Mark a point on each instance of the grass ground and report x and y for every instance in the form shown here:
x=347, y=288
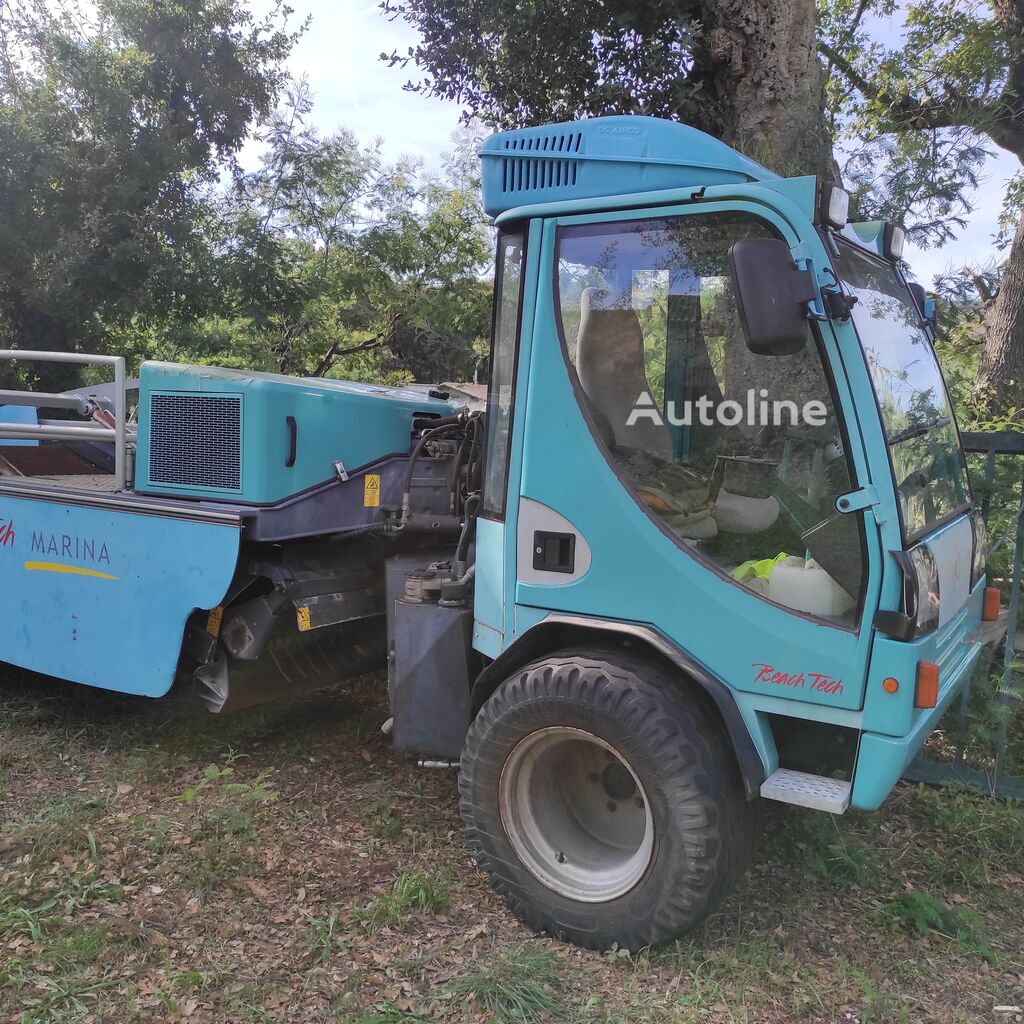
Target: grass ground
x=282, y=865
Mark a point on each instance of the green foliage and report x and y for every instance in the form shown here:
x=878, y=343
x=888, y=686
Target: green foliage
x=618, y=57
x=325, y=937
x=917, y=119
x=521, y=984
x=222, y=822
x=115, y=125
x=413, y=893
x=335, y=262
x=130, y=227
x=974, y=828
x=922, y=913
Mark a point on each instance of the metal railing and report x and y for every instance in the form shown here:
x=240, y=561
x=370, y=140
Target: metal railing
x=59, y=430
x=996, y=777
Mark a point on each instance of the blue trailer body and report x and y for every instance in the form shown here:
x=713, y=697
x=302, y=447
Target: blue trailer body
x=100, y=595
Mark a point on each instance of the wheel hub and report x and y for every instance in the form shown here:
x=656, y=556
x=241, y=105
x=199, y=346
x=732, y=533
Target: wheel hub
x=576, y=814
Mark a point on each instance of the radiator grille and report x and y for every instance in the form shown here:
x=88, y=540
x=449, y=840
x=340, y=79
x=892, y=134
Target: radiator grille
x=196, y=440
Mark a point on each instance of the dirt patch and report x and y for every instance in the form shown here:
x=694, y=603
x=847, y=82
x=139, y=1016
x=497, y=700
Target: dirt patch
x=282, y=864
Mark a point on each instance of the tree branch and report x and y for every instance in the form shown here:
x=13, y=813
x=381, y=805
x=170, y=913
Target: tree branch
x=378, y=341
x=1000, y=119
x=336, y=353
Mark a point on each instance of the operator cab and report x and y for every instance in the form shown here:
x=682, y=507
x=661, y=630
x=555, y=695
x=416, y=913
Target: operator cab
x=716, y=414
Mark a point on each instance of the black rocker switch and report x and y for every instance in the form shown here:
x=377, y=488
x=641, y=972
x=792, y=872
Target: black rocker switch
x=554, y=552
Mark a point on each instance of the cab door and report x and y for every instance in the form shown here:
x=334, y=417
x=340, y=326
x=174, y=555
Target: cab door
x=671, y=477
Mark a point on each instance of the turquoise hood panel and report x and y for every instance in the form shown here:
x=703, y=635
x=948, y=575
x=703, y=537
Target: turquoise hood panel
x=257, y=438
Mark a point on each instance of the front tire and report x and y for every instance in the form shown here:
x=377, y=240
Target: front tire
x=602, y=801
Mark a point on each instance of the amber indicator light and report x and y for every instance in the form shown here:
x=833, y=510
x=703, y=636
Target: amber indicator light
x=990, y=604
x=927, y=692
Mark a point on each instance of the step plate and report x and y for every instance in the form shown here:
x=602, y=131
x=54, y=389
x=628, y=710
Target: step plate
x=805, y=790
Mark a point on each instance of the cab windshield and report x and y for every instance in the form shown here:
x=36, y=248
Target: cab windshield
x=924, y=447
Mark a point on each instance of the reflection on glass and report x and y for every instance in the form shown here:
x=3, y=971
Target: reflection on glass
x=712, y=439
x=503, y=354
x=927, y=460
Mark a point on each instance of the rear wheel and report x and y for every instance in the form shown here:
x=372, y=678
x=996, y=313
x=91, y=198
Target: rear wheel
x=604, y=804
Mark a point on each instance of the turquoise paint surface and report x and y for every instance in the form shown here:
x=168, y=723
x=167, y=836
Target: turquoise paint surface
x=894, y=714
x=638, y=573
x=356, y=423
x=641, y=575
x=19, y=414
x=882, y=760
x=121, y=627
x=489, y=588
x=494, y=602
x=605, y=157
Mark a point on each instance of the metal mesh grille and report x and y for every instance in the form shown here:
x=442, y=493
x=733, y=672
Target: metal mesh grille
x=532, y=171
x=43, y=460
x=196, y=440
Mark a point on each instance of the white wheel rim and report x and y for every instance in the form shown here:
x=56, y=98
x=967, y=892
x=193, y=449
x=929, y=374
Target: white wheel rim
x=576, y=814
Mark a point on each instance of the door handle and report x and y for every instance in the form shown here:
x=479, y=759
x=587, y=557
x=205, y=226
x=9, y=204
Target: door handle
x=293, y=440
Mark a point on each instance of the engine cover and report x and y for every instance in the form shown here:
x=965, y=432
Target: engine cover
x=258, y=438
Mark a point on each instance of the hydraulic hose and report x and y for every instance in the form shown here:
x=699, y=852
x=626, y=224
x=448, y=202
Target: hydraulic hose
x=468, y=530
x=427, y=435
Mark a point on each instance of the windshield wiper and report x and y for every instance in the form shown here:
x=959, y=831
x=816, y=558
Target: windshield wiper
x=919, y=429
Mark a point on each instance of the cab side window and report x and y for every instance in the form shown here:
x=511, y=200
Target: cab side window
x=500, y=391
x=739, y=457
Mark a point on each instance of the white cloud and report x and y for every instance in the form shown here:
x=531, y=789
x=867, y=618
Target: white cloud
x=354, y=89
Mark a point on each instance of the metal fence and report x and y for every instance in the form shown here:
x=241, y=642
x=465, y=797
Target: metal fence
x=991, y=771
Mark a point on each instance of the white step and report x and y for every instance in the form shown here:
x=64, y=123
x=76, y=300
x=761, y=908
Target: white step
x=815, y=791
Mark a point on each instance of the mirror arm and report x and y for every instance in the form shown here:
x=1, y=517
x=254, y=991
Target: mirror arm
x=807, y=289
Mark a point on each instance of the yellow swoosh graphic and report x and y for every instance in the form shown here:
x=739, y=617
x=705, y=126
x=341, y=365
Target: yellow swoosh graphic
x=74, y=570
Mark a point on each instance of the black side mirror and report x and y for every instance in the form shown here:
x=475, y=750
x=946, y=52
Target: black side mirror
x=770, y=294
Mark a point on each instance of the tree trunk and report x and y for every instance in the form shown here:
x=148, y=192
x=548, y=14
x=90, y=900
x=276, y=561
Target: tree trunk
x=759, y=67
x=1001, y=376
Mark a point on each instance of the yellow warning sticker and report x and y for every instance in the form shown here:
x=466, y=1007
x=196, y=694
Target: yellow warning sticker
x=371, y=490
x=214, y=620
x=302, y=615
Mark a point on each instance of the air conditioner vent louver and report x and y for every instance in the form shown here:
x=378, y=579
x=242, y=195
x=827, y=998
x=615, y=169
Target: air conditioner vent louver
x=533, y=171
x=196, y=441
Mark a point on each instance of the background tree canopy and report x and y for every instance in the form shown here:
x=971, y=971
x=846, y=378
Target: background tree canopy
x=114, y=132
x=920, y=117
x=130, y=224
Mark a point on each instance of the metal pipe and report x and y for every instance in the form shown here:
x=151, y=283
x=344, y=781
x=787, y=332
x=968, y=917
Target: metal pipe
x=27, y=432
x=46, y=400
x=120, y=415
x=117, y=435
x=60, y=357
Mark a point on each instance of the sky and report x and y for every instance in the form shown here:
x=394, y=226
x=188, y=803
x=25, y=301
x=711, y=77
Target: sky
x=354, y=89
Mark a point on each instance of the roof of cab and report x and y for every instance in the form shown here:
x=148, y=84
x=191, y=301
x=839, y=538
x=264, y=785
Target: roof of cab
x=605, y=156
